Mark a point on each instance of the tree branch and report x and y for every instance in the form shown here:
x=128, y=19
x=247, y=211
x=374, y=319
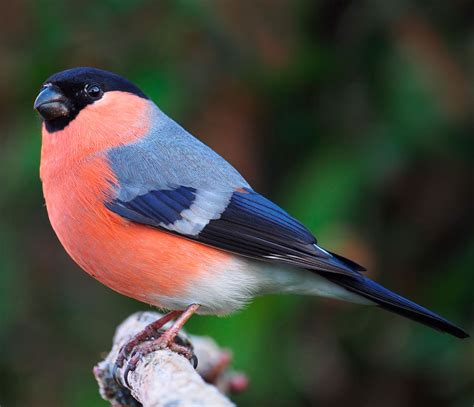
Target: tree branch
x=164, y=378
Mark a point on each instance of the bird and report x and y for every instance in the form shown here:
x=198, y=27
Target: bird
x=155, y=214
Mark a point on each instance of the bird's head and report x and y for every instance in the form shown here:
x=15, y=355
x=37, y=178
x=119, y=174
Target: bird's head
x=98, y=107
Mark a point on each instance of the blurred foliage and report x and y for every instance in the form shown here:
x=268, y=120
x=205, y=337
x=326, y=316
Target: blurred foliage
x=354, y=116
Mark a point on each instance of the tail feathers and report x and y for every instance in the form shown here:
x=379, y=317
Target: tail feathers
x=393, y=302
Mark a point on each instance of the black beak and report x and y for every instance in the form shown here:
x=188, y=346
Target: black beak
x=51, y=103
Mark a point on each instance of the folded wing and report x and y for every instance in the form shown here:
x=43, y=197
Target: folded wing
x=241, y=221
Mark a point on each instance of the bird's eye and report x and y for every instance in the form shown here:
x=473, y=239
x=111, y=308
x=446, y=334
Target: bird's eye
x=94, y=91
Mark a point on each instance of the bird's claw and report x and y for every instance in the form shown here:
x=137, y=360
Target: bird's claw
x=137, y=348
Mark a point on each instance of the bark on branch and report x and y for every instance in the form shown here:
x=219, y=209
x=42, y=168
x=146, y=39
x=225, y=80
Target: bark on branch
x=164, y=378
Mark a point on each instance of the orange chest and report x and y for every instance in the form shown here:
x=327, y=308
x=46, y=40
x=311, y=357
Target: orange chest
x=75, y=195
x=135, y=260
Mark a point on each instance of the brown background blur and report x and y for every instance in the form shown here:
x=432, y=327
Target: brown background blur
x=356, y=117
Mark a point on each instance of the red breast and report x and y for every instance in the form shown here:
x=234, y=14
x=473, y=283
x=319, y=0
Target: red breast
x=135, y=260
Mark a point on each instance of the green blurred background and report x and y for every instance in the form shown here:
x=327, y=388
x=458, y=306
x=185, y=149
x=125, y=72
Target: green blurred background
x=354, y=116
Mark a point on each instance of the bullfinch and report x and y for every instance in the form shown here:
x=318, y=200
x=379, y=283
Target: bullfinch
x=153, y=213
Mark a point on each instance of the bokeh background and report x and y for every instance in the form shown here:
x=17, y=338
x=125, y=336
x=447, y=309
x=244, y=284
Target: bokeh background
x=354, y=116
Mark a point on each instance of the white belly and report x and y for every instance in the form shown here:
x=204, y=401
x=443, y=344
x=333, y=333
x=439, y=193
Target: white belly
x=233, y=287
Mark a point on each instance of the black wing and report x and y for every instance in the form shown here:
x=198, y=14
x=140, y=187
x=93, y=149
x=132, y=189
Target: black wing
x=243, y=222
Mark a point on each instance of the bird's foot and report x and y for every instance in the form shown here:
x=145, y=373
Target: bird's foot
x=177, y=344
x=149, y=333
x=154, y=338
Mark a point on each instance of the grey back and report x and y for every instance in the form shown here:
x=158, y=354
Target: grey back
x=169, y=157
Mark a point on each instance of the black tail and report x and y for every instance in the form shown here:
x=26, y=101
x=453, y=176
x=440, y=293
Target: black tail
x=394, y=302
